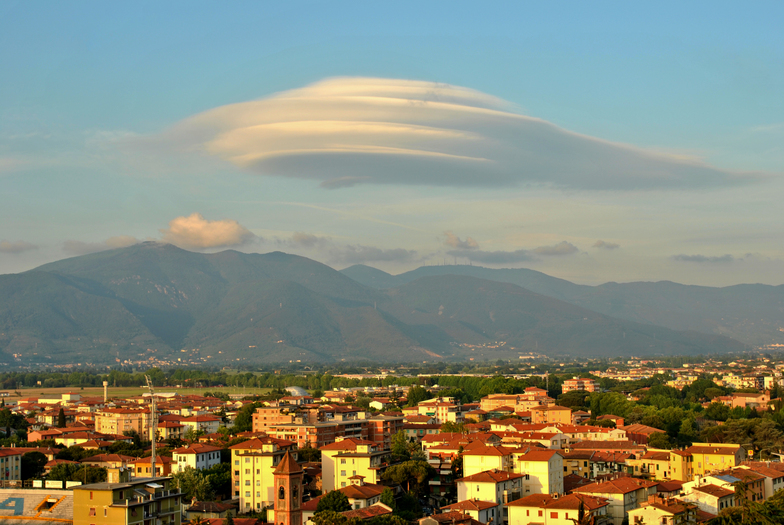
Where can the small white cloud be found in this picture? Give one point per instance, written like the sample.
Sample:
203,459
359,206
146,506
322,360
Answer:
557,250
196,232
603,245
16,247
453,241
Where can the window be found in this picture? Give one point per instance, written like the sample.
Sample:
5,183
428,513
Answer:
247,482
540,513
92,511
554,515
342,472
247,471
236,472
247,495
236,461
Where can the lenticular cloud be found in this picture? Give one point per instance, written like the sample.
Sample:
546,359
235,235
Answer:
347,131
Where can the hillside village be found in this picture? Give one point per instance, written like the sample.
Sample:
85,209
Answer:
410,453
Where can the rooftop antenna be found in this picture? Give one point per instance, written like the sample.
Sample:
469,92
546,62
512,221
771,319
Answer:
153,423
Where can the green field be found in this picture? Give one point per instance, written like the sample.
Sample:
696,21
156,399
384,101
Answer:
130,391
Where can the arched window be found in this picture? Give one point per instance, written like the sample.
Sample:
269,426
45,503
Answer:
295,493
281,493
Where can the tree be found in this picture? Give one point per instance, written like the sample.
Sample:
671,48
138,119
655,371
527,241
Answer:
388,498
61,418
334,501
400,444
33,464
417,394
330,517
659,440
229,519
411,474
193,484
450,426
76,472
244,420
309,453
192,435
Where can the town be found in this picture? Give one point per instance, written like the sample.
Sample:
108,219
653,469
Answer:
618,442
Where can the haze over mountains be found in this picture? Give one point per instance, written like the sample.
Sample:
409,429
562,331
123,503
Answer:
158,301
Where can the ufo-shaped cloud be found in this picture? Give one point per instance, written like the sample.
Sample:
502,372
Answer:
347,131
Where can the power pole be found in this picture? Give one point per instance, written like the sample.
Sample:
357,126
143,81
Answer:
153,423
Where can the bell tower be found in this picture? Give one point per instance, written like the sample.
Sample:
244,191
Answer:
288,491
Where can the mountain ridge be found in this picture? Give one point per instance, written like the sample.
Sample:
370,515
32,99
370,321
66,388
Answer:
158,303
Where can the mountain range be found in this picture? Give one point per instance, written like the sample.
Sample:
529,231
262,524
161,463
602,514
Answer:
162,304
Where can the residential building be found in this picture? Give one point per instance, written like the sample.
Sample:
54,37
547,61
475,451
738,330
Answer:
710,498
582,383
482,511
542,472
344,459
547,509
141,501
710,457
664,511
196,456
623,494
253,463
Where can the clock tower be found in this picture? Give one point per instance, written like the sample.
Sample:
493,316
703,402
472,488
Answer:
288,491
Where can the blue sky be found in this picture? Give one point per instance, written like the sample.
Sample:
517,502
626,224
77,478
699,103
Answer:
101,146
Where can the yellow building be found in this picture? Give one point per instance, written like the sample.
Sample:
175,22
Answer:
709,457
681,465
551,414
654,464
480,458
118,420
10,464
141,501
345,459
253,463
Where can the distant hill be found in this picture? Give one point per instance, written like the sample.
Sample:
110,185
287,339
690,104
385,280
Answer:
157,301
751,313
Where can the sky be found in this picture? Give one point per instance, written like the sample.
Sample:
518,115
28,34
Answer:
592,141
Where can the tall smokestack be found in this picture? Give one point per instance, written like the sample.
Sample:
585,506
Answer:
105,391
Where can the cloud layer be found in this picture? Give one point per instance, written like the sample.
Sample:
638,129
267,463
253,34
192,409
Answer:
338,253
347,131
705,258
16,247
603,245
560,249
196,232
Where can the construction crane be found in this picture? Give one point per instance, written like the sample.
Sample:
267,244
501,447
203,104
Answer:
153,423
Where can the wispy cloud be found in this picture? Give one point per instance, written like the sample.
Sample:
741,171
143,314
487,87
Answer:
495,257
72,247
341,253
704,258
560,249
348,131
16,247
604,245
557,250
196,232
